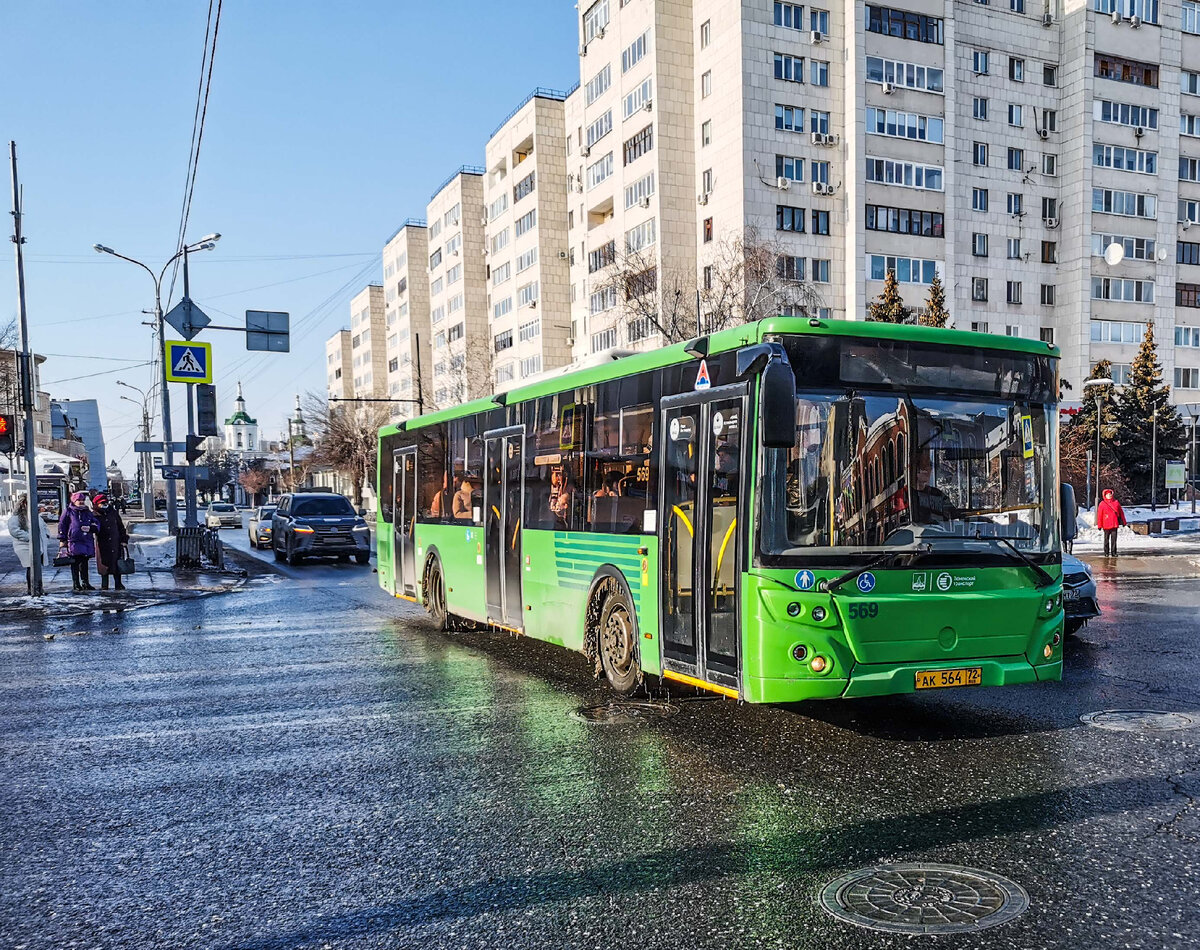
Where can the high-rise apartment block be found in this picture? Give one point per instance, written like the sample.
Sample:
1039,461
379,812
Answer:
339,374
368,345
406,313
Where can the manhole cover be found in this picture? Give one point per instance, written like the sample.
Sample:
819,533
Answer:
923,898
621,713
1137,720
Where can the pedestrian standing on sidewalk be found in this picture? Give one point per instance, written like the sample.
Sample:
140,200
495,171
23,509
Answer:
77,538
112,542
21,525
1109,517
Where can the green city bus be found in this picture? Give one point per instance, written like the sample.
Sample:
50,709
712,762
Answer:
789,509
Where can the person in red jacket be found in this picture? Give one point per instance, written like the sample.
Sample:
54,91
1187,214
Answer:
1110,516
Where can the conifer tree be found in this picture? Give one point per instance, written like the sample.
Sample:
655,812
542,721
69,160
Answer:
935,314
1078,437
1136,404
889,306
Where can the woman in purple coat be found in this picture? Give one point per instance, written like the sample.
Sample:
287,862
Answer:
77,538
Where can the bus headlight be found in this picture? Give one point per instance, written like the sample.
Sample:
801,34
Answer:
818,613
1048,651
818,664
794,609
799,652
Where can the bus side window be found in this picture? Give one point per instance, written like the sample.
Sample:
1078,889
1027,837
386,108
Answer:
433,480
386,469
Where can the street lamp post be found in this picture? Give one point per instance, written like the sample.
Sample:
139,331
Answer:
1154,460
145,468
204,244
1100,393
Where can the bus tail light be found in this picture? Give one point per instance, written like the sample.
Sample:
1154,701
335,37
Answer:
818,664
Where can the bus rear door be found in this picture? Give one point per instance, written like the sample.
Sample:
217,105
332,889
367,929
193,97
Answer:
503,489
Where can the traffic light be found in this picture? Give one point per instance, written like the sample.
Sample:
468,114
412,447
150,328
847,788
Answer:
8,435
206,409
195,447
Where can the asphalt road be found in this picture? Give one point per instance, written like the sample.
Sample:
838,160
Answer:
306,763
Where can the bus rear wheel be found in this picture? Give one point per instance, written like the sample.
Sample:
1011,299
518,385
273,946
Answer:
618,641
434,588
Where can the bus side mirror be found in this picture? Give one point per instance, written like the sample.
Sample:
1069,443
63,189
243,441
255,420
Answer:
777,405
1066,499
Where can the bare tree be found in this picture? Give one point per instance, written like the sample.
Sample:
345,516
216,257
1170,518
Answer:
468,375
345,437
255,480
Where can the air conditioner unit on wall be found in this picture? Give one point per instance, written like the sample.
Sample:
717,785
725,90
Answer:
1138,132
1044,133
889,88
1051,223
783,184
817,36
1135,22
645,202
1047,20
702,198
1116,17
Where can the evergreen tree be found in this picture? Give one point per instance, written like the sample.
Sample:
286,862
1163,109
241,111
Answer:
1136,405
935,314
889,306
1078,437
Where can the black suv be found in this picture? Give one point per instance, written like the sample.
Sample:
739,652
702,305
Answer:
312,524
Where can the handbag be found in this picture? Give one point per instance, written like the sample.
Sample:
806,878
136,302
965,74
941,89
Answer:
124,565
63,560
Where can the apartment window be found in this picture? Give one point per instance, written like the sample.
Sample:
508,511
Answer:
708,230
499,206
979,62
602,256
905,221
435,259
706,181
790,15
1128,203
705,34
819,171
1189,83
979,244
1049,120
1189,124
900,73
435,288
789,68
639,329
706,132
598,129
789,167
529,331
906,125
1119,69
1049,252
706,84
527,294
1047,298
640,191
1126,291
1189,169
979,153
524,187
1125,159
789,268
821,270
527,260
633,53
1136,248
501,273
1016,203
598,84
1016,159
904,24
1016,69
531,365
818,20
435,229
1014,249
637,146
595,19
1186,295
640,98
708,276
597,172
908,270
393,365
503,341
504,374
819,73
1145,10
907,174
499,240
1187,336
501,307
1017,6
455,332
604,340
820,222
1186,252
1049,208
979,292
1189,210
1122,113
979,199
818,121
1189,17
601,300
1050,165
1016,116
1013,292
788,218
1187,377
1049,75
454,274
1117,331
642,236
789,118
979,108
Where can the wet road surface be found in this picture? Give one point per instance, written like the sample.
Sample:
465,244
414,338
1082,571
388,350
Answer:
306,763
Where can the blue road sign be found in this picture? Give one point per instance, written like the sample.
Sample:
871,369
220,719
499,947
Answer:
189,362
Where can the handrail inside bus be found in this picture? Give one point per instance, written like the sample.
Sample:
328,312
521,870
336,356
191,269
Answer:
687,524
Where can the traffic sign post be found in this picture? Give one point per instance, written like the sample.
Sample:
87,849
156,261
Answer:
189,362
267,330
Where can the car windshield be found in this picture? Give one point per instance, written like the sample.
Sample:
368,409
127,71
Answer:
325,505
875,470
265,513
221,508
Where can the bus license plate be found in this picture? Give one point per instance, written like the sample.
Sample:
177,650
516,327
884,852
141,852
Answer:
937,679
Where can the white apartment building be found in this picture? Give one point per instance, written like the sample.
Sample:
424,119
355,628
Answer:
458,290
406,315
527,244
339,374
368,346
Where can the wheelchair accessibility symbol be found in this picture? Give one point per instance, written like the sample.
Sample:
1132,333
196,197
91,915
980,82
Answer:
866,582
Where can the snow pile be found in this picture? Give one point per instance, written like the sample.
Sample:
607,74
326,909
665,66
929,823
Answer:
1091,538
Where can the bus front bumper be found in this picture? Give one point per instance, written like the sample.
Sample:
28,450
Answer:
894,679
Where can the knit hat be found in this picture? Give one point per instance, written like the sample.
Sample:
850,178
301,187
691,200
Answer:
100,499
79,497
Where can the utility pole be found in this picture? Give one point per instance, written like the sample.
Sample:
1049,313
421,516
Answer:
189,482
27,395
1153,458
420,395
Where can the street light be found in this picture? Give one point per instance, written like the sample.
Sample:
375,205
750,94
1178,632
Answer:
1099,398
145,468
204,244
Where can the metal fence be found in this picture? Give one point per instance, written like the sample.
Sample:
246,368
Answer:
193,546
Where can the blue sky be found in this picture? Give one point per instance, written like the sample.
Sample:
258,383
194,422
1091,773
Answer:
328,124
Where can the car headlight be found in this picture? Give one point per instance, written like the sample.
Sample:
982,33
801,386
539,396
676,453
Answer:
361,527
300,530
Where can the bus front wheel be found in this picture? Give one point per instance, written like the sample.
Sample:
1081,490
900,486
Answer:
434,588
618,641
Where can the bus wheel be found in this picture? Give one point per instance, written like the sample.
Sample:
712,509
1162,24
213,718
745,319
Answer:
618,641
435,594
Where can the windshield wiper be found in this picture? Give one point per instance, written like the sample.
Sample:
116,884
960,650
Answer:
1045,579
887,559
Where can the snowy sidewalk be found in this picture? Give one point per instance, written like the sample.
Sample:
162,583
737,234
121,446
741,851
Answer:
1185,540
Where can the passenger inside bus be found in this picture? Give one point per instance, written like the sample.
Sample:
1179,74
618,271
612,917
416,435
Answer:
463,499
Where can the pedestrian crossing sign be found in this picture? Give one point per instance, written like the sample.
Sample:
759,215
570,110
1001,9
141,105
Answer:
189,362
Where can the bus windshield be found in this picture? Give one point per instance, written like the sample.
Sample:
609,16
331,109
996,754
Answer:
883,465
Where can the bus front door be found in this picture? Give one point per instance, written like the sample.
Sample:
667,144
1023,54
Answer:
702,458
404,559
503,490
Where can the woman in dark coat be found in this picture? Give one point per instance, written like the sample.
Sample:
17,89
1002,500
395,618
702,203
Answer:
111,541
77,538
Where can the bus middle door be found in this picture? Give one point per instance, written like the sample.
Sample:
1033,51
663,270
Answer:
503,491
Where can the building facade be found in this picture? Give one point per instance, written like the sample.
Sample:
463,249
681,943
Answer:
406,314
339,374
368,343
